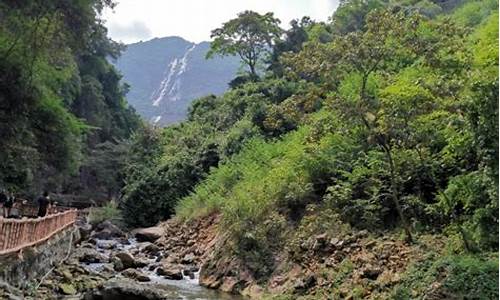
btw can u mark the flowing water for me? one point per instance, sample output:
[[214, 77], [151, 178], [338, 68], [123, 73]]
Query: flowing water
[[187, 288]]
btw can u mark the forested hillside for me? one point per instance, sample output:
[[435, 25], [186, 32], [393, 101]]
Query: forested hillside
[[383, 119], [63, 115], [351, 159]]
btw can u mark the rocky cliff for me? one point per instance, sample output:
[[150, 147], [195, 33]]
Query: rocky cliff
[[166, 74]]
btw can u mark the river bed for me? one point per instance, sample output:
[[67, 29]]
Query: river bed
[[187, 288]]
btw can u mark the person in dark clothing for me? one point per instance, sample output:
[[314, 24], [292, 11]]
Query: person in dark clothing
[[3, 199], [43, 204], [7, 206]]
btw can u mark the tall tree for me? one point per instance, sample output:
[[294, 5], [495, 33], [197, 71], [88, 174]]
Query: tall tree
[[250, 36]]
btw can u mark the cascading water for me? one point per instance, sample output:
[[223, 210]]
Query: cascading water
[[170, 86], [188, 288]]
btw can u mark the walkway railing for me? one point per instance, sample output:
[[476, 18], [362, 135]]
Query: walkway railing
[[16, 234]]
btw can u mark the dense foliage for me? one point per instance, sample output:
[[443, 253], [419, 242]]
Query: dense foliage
[[387, 116], [60, 99], [250, 36], [383, 119]]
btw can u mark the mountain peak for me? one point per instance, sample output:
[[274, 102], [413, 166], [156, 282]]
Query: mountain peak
[[166, 74]]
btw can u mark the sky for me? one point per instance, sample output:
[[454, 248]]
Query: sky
[[135, 20]]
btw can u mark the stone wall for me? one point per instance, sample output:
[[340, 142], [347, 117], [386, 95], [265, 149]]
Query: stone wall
[[25, 269]]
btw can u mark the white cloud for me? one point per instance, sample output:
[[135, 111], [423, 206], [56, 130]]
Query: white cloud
[[136, 30], [194, 19]]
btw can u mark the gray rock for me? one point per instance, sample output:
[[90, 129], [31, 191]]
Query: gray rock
[[135, 274], [170, 271], [88, 255], [127, 259], [152, 248], [150, 234], [106, 231], [188, 258], [117, 264], [85, 231], [127, 289], [107, 244]]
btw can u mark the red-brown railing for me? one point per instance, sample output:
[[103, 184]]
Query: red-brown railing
[[30, 210], [16, 234]]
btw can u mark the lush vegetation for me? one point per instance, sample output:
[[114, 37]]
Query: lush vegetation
[[386, 117], [62, 107], [387, 114]]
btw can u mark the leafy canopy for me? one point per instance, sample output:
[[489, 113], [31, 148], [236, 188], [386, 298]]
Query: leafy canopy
[[250, 36]]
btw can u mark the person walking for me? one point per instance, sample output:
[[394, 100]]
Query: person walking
[[43, 204], [7, 206]]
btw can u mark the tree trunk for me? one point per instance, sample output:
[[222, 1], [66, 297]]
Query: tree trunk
[[395, 195], [252, 70]]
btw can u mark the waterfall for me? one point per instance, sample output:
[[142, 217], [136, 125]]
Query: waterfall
[[171, 83]]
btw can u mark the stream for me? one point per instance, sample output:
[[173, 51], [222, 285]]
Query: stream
[[188, 288]]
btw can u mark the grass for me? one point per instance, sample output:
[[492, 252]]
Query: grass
[[108, 212]]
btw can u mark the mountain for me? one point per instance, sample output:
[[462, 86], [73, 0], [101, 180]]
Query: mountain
[[166, 74]]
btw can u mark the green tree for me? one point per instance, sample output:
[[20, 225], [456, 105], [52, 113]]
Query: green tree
[[250, 36], [292, 42]]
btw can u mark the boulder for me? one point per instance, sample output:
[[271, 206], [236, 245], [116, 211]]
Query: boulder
[[67, 289], [106, 231], [188, 273], [126, 259], [304, 284], [88, 255], [152, 249], [149, 234], [87, 245], [85, 231], [170, 271], [117, 264], [141, 263], [321, 238], [135, 274], [107, 244], [370, 272], [126, 289], [188, 258], [191, 268]]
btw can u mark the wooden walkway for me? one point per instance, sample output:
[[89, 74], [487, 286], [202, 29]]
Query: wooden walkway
[[17, 234]]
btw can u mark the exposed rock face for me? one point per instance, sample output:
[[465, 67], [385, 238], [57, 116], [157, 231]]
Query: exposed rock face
[[298, 269], [150, 234], [166, 74]]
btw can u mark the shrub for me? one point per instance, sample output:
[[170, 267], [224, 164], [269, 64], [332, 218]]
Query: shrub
[[459, 277], [108, 212]]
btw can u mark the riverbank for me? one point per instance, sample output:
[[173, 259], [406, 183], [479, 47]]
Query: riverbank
[[108, 263], [331, 261], [197, 259]]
